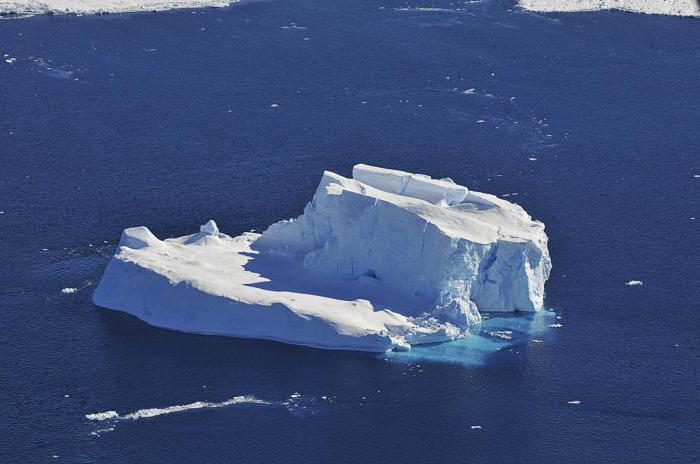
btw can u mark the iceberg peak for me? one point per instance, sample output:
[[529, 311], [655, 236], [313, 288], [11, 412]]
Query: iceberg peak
[[210, 228]]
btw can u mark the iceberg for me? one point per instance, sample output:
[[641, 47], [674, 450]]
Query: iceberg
[[660, 7], [380, 261], [87, 7]]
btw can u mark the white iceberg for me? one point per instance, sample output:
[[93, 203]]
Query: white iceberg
[[662, 7], [34, 7], [382, 261]]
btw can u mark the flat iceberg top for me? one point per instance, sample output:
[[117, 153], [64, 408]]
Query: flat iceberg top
[[663, 7], [475, 216], [31, 7], [386, 260]]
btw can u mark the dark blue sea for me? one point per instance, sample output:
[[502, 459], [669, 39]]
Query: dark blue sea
[[589, 121]]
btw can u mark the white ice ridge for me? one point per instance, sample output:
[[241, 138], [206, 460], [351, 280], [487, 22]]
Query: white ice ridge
[[153, 412], [382, 261], [662, 7], [32, 7]]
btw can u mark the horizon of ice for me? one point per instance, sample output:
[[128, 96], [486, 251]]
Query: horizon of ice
[[659, 7], [384, 260], [23, 8]]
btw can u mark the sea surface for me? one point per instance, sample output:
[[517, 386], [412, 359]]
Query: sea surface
[[589, 121]]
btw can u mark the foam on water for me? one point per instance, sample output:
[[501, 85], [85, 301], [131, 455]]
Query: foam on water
[[154, 412]]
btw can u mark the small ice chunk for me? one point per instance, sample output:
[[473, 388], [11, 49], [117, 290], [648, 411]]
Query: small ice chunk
[[69, 290], [532, 158], [475, 427], [633, 283], [504, 334], [574, 402], [555, 326], [274, 105]]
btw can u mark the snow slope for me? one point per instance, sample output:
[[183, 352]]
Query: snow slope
[[30, 7], [385, 260], [665, 7]]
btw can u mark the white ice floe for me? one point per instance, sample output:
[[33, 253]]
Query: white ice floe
[[633, 283], [664, 7], [574, 402], [153, 412], [35, 7], [382, 261], [69, 290]]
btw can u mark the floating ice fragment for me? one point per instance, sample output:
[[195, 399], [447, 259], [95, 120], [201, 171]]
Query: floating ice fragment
[[274, 105], [69, 290], [555, 326], [97, 433], [532, 158], [504, 334], [475, 427], [574, 402], [633, 283]]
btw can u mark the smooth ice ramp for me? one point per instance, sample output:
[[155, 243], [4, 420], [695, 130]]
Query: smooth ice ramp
[[383, 261]]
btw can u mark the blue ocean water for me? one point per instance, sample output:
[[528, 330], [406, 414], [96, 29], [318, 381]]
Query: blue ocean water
[[587, 120]]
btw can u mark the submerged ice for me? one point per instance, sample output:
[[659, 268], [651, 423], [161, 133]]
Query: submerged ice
[[383, 260]]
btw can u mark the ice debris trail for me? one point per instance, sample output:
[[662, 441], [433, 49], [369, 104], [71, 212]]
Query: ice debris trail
[[153, 412]]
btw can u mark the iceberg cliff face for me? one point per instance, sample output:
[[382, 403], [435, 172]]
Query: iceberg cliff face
[[384, 260]]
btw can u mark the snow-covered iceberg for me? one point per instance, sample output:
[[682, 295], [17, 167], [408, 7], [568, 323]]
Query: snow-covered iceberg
[[662, 7], [35, 7], [381, 261]]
